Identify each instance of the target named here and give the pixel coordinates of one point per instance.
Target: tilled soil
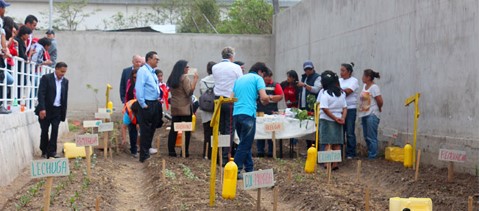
(126, 184)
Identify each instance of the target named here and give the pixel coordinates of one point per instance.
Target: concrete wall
(427, 46)
(98, 58)
(19, 142)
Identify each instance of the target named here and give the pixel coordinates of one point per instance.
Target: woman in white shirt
(349, 85)
(333, 110)
(371, 103)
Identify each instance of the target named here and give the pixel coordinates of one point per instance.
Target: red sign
(86, 140)
(452, 155)
(273, 126)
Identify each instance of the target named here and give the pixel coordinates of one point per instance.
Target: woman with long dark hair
(130, 94)
(333, 110)
(290, 89)
(371, 103)
(181, 90)
(349, 85)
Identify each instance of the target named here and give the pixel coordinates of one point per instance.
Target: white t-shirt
(368, 104)
(351, 83)
(225, 74)
(333, 103)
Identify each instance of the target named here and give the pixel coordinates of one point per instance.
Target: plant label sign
(106, 126)
(452, 155)
(102, 115)
(182, 126)
(223, 141)
(258, 179)
(50, 168)
(92, 123)
(103, 110)
(329, 156)
(273, 126)
(86, 140)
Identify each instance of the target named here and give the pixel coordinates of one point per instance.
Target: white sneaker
(152, 151)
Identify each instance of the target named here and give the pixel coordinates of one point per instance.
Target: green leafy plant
(95, 92)
(188, 172)
(170, 174)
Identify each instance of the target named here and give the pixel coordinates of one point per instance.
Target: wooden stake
(89, 162)
(110, 151)
(329, 172)
(259, 197)
(46, 196)
(183, 144)
(289, 175)
(417, 167)
(97, 204)
(274, 145)
(470, 203)
(105, 145)
(275, 198)
(450, 171)
(367, 199)
(158, 145)
(359, 168)
(220, 157)
(344, 154)
(206, 150)
(163, 170)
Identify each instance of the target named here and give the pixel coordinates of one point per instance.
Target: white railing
(26, 78)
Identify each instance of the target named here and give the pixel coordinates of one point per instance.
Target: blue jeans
(9, 78)
(261, 147)
(349, 130)
(245, 126)
(370, 132)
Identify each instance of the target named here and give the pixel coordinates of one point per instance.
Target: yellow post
(108, 103)
(414, 99)
(316, 117)
(215, 124)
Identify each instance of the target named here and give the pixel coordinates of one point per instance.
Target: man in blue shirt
(148, 95)
(247, 89)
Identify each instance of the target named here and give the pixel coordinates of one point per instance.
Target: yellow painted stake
(408, 101)
(108, 103)
(316, 117)
(215, 125)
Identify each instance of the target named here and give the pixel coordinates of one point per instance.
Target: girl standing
(333, 110)
(370, 109)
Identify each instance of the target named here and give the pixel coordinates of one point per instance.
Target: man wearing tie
(52, 107)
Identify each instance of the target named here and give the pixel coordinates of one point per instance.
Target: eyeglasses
(187, 67)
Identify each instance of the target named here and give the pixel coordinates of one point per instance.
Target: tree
(248, 17)
(71, 13)
(168, 11)
(121, 21)
(202, 17)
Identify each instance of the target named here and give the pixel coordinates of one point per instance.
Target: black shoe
(144, 159)
(260, 155)
(3, 110)
(269, 156)
(172, 154)
(44, 155)
(53, 156)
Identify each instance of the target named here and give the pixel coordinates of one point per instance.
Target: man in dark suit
(137, 62)
(52, 107)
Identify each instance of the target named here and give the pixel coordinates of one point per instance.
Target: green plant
(170, 174)
(188, 172)
(77, 164)
(72, 127)
(85, 183)
(95, 92)
(298, 178)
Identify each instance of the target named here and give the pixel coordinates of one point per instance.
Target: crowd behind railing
(19, 84)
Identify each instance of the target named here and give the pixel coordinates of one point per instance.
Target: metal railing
(26, 78)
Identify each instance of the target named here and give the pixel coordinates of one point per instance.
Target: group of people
(18, 40)
(145, 96)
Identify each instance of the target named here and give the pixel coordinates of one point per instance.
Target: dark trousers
(207, 134)
(172, 136)
(133, 134)
(148, 119)
(245, 126)
(226, 128)
(49, 146)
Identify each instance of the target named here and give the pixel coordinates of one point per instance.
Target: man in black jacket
(52, 107)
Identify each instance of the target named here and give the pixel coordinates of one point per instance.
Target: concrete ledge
(19, 142)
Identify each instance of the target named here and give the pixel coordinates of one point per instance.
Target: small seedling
(170, 174)
(188, 172)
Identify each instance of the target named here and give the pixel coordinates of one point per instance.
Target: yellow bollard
(194, 120)
(408, 156)
(311, 162)
(230, 180)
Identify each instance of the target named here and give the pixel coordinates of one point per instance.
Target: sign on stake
(49, 168)
(183, 126)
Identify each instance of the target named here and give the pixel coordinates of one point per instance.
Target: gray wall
(98, 58)
(427, 46)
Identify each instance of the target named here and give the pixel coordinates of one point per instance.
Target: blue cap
(308, 65)
(4, 4)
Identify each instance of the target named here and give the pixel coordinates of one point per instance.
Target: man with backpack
(207, 104)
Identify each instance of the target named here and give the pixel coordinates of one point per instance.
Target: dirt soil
(123, 183)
